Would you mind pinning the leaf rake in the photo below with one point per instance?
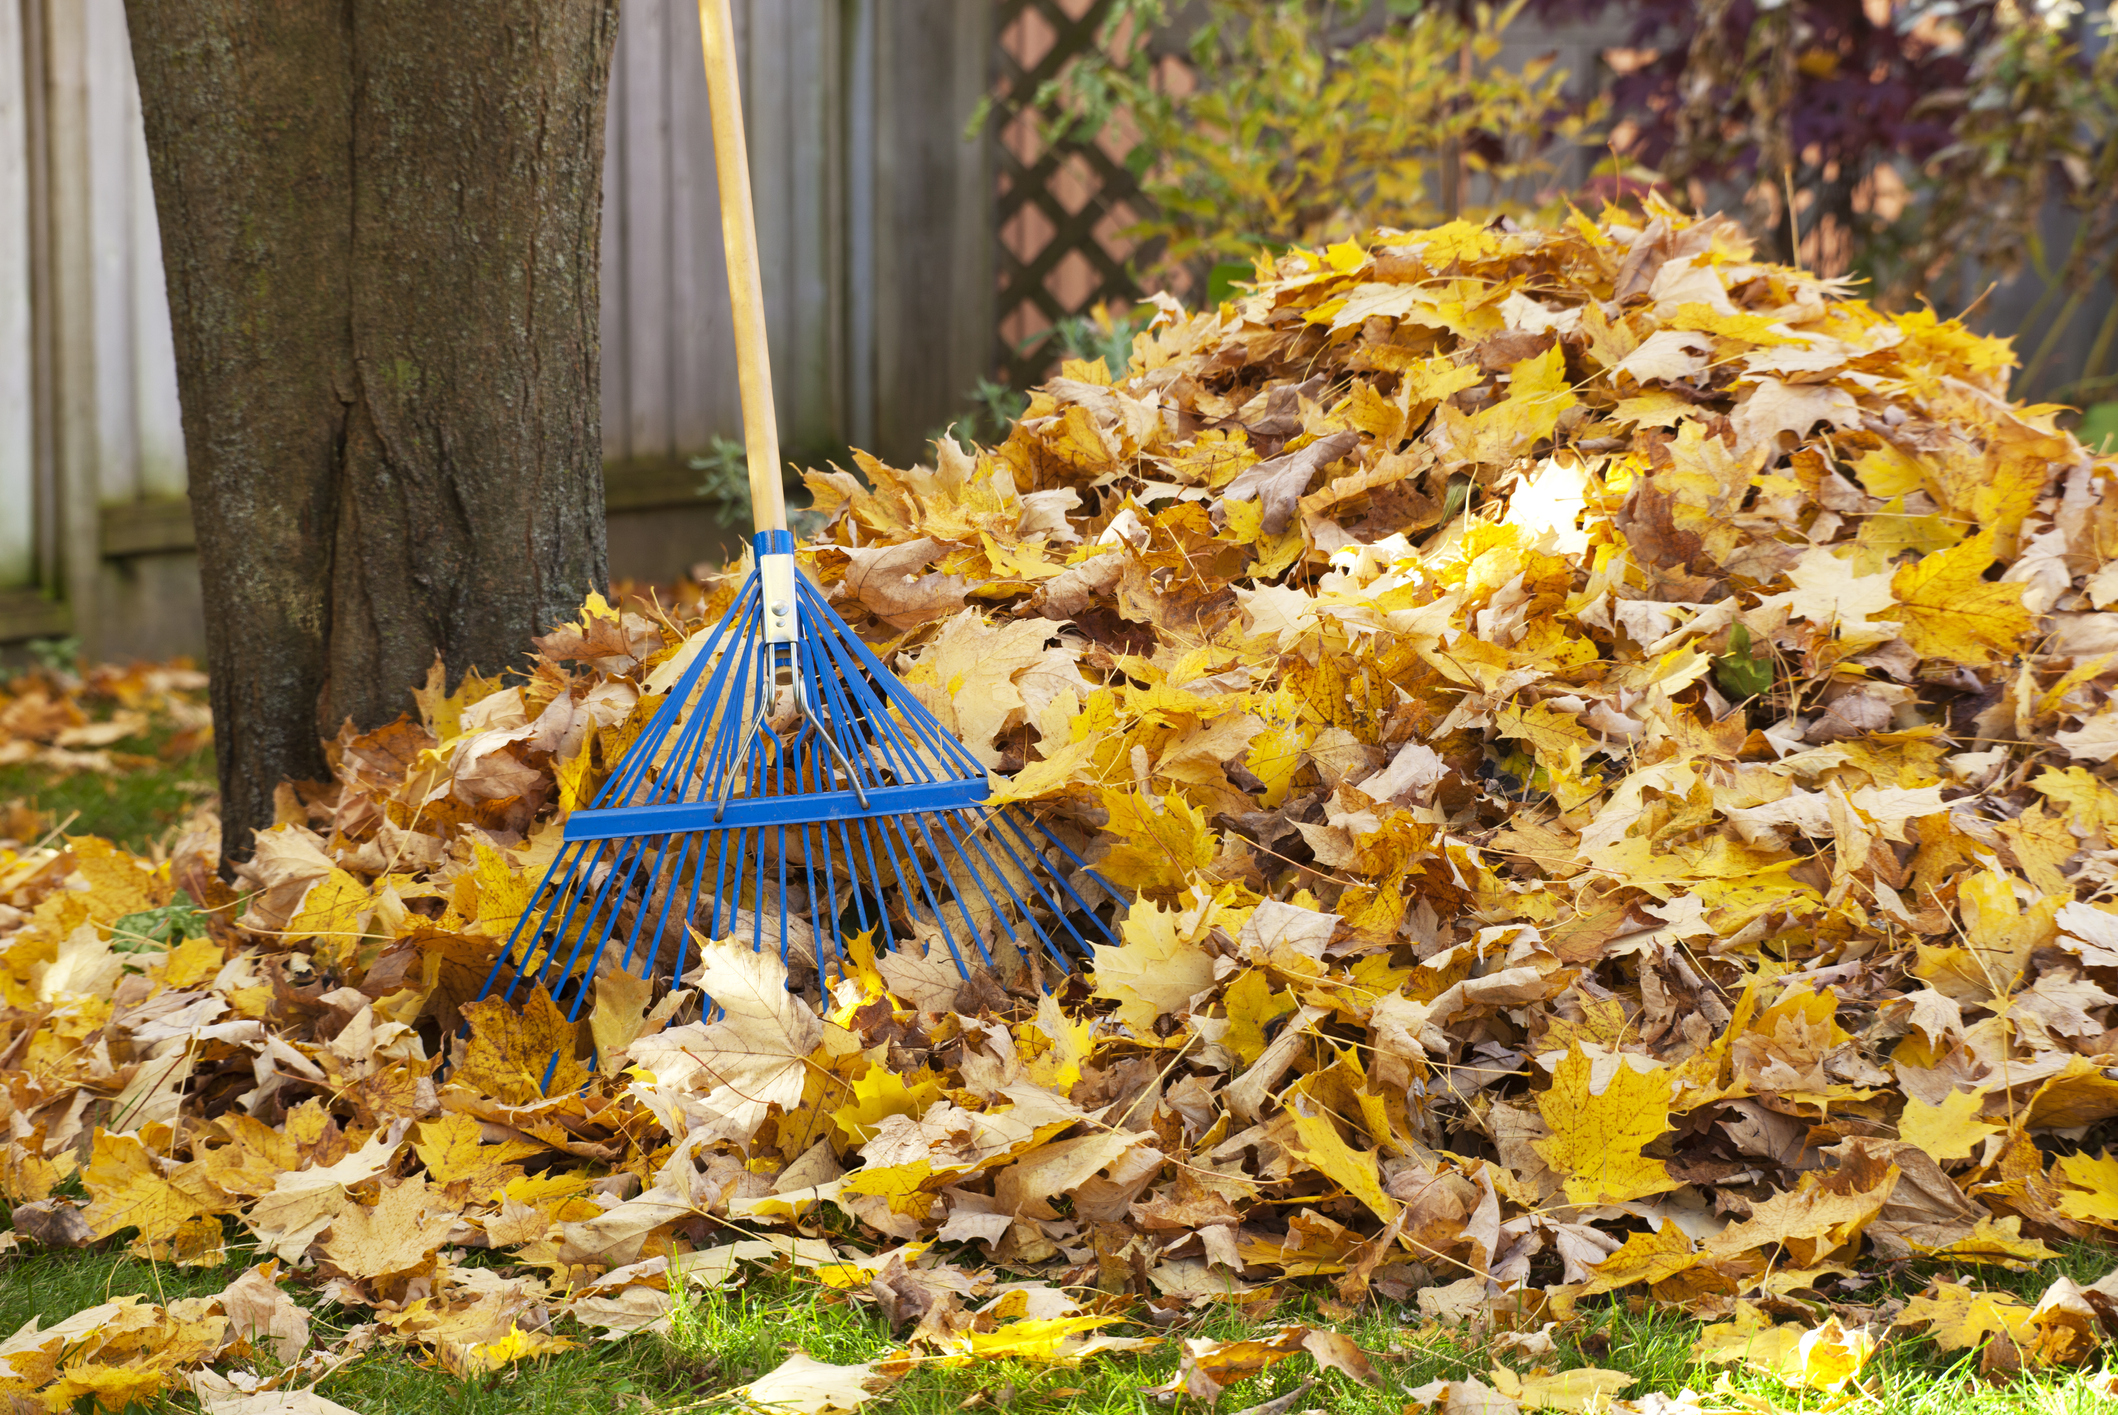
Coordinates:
(788, 767)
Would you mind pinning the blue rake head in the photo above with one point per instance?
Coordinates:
(790, 792)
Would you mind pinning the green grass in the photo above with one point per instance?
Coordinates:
(623, 1376)
(51, 1285)
(138, 809)
(2099, 427)
(731, 1337)
(723, 1338)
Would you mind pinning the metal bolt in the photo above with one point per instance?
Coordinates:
(780, 610)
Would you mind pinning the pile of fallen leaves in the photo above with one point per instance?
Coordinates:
(1610, 743)
(65, 722)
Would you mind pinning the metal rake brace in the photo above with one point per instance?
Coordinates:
(788, 765)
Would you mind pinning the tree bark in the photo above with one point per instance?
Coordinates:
(380, 224)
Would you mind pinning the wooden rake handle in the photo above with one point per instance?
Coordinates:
(746, 290)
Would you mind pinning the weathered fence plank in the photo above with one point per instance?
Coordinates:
(18, 527)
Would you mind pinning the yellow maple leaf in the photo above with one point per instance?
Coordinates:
(1823, 1357)
(1022, 562)
(127, 1190)
(192, 962)
(902, 1186)
(1213, 458)
(1060, 767)
(1252, 1007)
(1154, 972)
(1275, 755)
(1597, 1137)
(860, 954)
(575, 778)
(1957, 1316)
(1164, 841)
(1950, 1130)
(1537, 395)
(1889, 472)
(1043, 1339)
(493, 894)
(1208, 1366)
(1949, 610)
(119, 882)
(26, 1176)
(1820, 1217)
(452, 1148)
(333, 913)
(514, 1046)
(2093, 1197)
(115, 1387)
(2087, 801)
(1644, 1257)
(1996, 1241)
(1584, 1388)
(879, 1092)
(197, 1243)
(1058, 1066)
(400, 1231)
(477, 1358)
(1322, 1149)
(1761, 330)
(1551, 734)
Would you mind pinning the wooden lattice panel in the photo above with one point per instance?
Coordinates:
(1061, 206)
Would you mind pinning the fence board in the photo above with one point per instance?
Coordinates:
(18, 566)
(934, 242)
(675, 376)
(802, 98)
(71, 285)
(702, 333)
(105, 64)
(860, 222)
(642, 61)
(159, 421)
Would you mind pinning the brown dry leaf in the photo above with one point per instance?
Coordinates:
(887, 580)
(395, 1234)
(259, 1311)
(754, 1057)
(1209, 1367)
(273, 1402)
(806, 1386)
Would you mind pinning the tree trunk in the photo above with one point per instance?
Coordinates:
(379, 220)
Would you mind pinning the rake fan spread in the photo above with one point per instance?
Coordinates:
(794, 795)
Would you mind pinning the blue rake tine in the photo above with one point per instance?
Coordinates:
(765, 748)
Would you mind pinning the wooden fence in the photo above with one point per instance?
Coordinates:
(875, 213)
